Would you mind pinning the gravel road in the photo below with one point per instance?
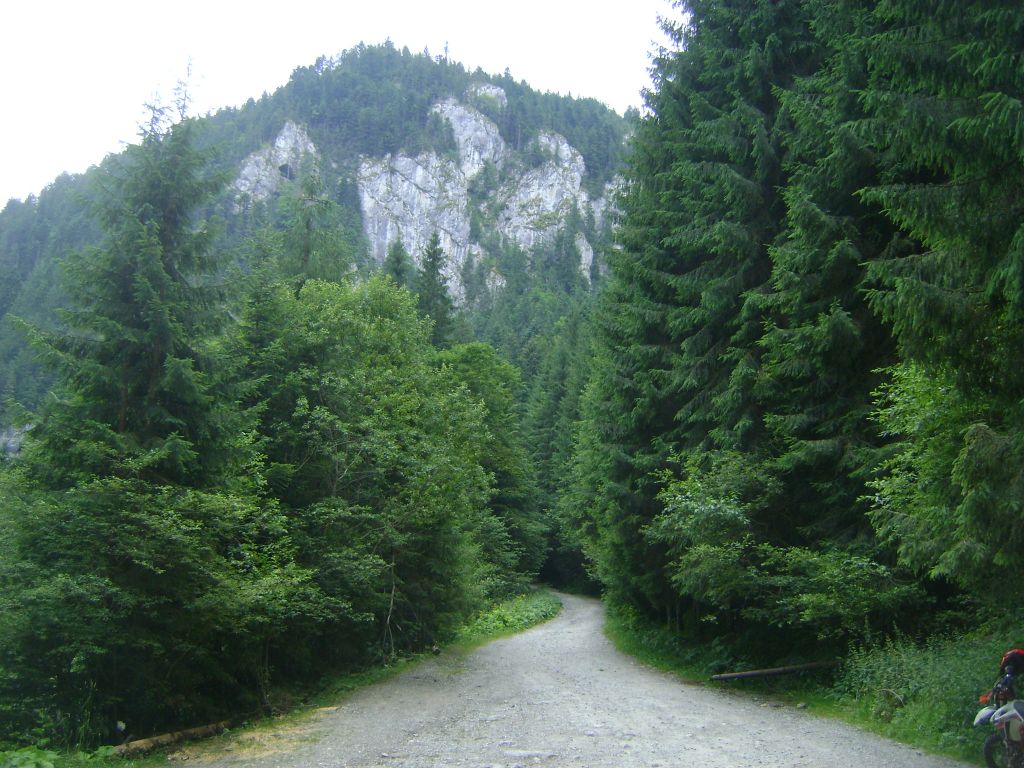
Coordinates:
(557, 695)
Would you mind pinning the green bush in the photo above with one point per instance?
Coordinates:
(511, 616)
(662, 647)
(926, 694)
(27, 757)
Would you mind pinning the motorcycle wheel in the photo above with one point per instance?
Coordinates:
(995, 751)
(999, 754)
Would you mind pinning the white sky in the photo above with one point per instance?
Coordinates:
(75, 74)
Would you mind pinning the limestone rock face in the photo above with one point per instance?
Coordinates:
(488, 91)
(264, 170)
(536, 204)
(11, 439)
(586, 255)
(408, 198)
(526, 199)
(477, 137)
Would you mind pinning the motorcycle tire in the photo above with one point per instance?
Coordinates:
(998, 754)
(995, 751)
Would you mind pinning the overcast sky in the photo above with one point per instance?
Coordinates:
(77, 73)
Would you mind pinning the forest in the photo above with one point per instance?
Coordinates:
(785, 423)
(801, 424)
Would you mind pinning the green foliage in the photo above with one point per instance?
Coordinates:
(376, 99)
(682, 320)
(947, 497)
(128, 533)
(255, 471)
(511, 616)
(374, 452)
(552, 412)
(34, 236)
(823, 348)
(944, 112)
(398, 265)
(784, 244)
(368, 101)
(316, 244)
(432, 292)
(661, 646)
(28, 757)
(738, 583)
(925, 693)
(496, 384)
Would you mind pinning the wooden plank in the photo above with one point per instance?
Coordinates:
(141, 746)
(775, 671)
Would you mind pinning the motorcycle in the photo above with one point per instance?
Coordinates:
(1005, 747)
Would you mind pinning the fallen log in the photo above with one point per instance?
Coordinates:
(142, 746)
(775, 671)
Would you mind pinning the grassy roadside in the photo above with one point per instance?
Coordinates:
(922, 695)
(507, 618)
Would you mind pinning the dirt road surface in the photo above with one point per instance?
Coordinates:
(558, 695)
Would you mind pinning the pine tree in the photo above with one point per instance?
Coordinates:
(398, 265)
(681, 322)
(432, 292)
(132, 535)
(944, 108)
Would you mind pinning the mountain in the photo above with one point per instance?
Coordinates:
(516, 183)
(480, 191)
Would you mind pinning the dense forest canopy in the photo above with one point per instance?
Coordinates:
(781, 415)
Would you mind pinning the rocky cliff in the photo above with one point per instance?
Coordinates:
(264, 171)
(523, 198)
(11, 439)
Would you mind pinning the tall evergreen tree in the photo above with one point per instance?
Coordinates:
(314, 241)
(681, 324)
(132, 539)
(823, 347)
(514, 503)
(432, 291)
(398, 265)
(553, 409)
(944, 106)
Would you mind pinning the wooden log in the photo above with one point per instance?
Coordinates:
(775, 671)
(142, 746)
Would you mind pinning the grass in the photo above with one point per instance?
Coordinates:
(924, 695)
(509, 618)
(501, 620)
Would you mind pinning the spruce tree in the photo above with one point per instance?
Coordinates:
(142, 306)
(944, 108)
(398, 265)
(681, 322)
(432, 292)
(823, 347)
(132, 536)
(514, 498)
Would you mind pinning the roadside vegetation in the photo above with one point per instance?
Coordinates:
(924, 694)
